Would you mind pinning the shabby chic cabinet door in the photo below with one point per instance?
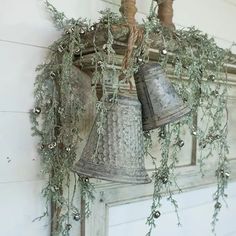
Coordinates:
(109, 194)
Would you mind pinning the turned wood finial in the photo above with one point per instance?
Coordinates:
(128, 10)
(165, 13)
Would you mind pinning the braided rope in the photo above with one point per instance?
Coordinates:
(128, 11)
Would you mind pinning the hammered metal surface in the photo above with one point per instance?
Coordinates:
(160, 102)
(118, 153)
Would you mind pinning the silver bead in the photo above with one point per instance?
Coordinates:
(180, 143)
(93, 27)
(162, 134)
(60, 110)
(56, 188)
(211, 77)
(202, 145)
(194, 132)
(227, 175)
(52, 75)
(140, 60)
(68, 227)
(156, 214)
(215, 93)
(147, 134)
(164, 180)
(218, 205)
(60, 48)
(68, 149)
(224, 174)
(85, 179)
(52, 145)
(164, 51)
(37, 110)
(222, 171)
(82, 31)
(77, 52)
(76, 217)
(49, 102)
(151, 18)
(104, 47)
(69, 31)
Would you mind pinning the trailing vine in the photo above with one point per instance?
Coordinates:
(191, 58)
(197, 67)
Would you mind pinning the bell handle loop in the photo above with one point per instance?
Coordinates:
(165, 13)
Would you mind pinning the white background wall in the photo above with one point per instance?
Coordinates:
(195, 210)
(25, 33)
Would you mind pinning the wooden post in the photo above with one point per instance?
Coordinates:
(128, 11)
(165, 13)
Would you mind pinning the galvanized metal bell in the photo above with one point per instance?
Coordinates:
(118, 153)
(160, 102)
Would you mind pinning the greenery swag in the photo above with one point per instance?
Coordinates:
(193, 60)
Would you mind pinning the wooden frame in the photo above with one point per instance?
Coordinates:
(110, 194)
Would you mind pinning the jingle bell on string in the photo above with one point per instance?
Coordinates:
(164, 51)
(180, 143)
(68, 227)
(37, 110)
(82, 31)
(160, 102)
(156, 214)
(93, 27)
(118, 153)
(60, 48)
(52, 145)
(77, 52)
(76, 217)
(164, 179)
(52, 75)
(218, 205)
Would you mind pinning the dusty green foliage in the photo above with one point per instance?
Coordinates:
(195, 62)
(57, 125)
(57, 115)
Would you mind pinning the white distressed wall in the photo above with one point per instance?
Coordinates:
(25, 32)
(195, 210)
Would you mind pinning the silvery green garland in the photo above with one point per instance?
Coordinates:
(57, 113)
(196, 57)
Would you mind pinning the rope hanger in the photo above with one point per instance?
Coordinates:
(128, 10)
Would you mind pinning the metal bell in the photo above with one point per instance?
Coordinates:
(118, 153)
(160, 102)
